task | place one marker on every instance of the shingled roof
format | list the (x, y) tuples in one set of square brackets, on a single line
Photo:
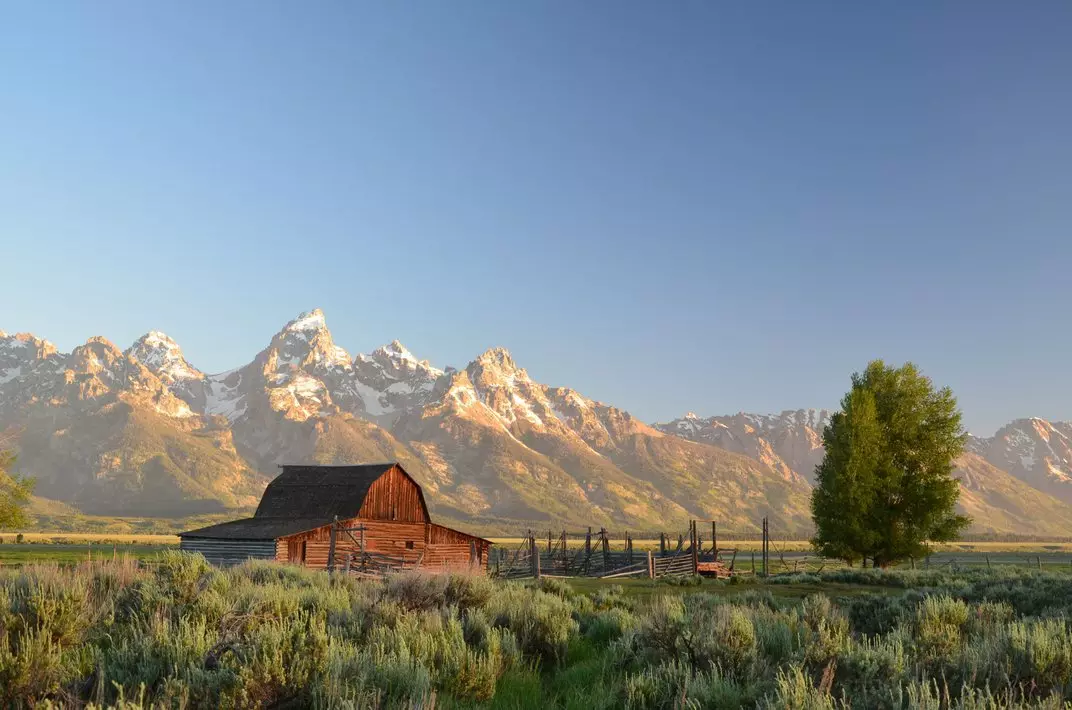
[(303, 498), (258, 528), (321, 491)]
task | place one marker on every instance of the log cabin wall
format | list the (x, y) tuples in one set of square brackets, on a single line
[(230, 552), (442, 548)]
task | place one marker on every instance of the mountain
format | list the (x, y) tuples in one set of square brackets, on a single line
[(98, 429), (1017, 481), (145, 432), (1035, 451), (790, 441)]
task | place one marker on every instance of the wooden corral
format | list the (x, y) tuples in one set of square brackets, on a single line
[(354, 518), (598, 556)]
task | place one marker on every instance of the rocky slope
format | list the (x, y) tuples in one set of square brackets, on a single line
[(1017, 481), (1036, 451), (99, 429), (146, 432)]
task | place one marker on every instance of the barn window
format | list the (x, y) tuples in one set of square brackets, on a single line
[(409, 544)]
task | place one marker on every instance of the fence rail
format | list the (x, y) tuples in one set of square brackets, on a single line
[(554, 557)]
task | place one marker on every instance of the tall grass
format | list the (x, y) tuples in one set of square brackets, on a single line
[(183, 634)]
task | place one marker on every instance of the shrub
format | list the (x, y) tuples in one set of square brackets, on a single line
[(467, 591), (1041, 654), (939, 621), (558, 587), (794, 689), (542, 623), (673, 685), (609, 625)]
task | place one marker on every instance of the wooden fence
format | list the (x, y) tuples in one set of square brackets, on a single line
[(598, 556)]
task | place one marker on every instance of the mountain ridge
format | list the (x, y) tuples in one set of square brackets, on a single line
[(487, 441)]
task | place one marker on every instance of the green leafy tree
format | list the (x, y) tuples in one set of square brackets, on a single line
[(885, 488), (15, 493)]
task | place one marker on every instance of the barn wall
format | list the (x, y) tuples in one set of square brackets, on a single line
[(442, 547), (394, 496), (225, 552)]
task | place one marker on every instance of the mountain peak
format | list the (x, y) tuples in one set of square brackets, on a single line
[(163, 356), (105, 344), (398, 361), (307, 322), (499, 358), (396, 349)]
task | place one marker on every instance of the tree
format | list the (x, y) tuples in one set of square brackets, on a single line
[(885, 488), (14, 494)]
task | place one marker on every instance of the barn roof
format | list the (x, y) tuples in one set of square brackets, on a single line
[(263, 528), (323, 491)]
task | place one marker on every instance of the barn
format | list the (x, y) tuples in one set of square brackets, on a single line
[(334, 517)]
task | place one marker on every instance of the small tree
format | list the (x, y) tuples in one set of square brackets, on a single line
[(15, 493), (885, 488)]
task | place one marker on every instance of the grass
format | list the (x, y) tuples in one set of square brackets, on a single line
[(91, 538), (67, 554), (180, 633)]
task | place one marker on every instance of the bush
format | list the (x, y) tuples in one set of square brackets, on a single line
[(183, 634), (939, 621)]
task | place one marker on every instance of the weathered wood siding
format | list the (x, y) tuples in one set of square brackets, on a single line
[(230, 552), (394, 496), (441, 547)]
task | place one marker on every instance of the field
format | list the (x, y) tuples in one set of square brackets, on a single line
[(64, 548), (179, 633)]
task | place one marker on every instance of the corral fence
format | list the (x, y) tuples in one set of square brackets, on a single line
[(601, 554)]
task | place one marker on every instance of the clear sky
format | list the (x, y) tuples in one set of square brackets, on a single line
[(704, 206)]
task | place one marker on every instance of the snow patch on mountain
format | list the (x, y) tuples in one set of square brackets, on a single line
[(224, 396), (163, 356), (311, 321)]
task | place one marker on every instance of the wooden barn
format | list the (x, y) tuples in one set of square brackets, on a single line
[(370, 517)]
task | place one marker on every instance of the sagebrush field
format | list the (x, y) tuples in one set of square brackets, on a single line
[(180, 633)]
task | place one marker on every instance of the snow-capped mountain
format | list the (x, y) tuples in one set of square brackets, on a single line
[(792, 440), (1016, 481), (145, 431), (1034, 450), (98, 428)]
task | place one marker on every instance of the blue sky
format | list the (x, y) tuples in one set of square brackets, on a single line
[(668, 206)]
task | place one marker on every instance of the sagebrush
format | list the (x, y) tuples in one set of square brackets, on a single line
[(183, 634)]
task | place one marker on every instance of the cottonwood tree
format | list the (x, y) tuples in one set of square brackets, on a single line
[(14, 494), (885, 488)]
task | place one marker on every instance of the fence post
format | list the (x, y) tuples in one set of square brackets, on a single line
[(662, 544), (766, 548), (549, 543), (695, 543), (1039, 560), (606, 549), (587, 551), (753, 563), (534, 557), (331, 545), (651, 566), (565, 555), (714, 541), (629, 547)]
